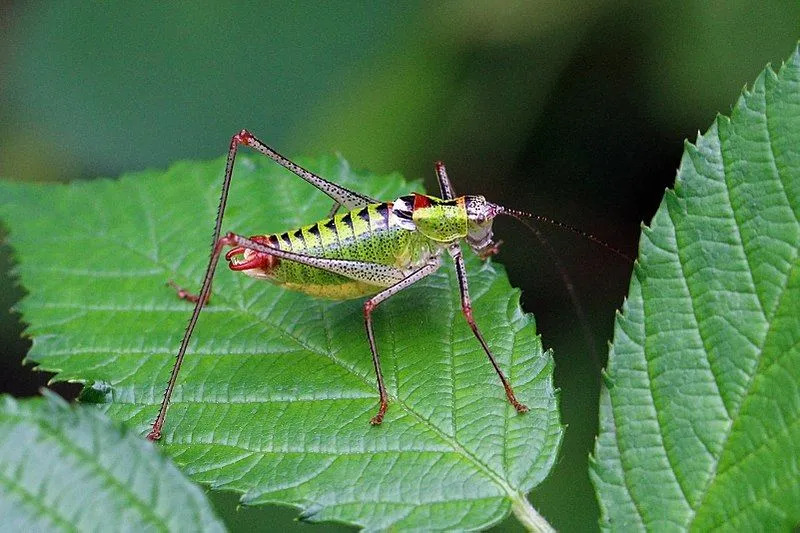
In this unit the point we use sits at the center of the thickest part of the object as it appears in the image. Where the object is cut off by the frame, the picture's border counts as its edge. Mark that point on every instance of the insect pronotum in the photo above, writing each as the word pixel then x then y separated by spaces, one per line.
pixel 373 249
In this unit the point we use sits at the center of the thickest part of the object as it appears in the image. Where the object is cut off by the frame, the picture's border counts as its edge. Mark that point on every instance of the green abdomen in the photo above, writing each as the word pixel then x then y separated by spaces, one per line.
pixel 362 234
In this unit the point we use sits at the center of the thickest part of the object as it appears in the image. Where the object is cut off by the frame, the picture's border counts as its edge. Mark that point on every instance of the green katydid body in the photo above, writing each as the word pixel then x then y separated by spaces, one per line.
pixel 404 234
pixel 375 248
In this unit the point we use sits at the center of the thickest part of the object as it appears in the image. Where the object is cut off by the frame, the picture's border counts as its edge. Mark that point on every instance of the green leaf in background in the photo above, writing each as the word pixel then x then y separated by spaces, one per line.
pixel 699 429
pixel 69 469
pixel 277 390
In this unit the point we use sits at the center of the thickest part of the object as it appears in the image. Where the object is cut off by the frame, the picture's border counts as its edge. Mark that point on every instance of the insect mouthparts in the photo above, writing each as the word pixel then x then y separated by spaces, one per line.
pixel 242 258
pixel 232 254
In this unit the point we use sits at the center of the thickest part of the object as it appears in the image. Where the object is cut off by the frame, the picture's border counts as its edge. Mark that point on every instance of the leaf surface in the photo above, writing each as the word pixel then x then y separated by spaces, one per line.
pixel 277 389
pixel 699 429
pixel 68 469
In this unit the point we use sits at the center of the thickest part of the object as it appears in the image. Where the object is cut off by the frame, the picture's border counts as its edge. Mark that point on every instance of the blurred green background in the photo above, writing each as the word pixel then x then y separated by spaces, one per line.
pixel 576 110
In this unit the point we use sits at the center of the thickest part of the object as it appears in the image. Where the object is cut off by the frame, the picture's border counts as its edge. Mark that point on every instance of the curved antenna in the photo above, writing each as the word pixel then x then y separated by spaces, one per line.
pixel 573 296
pixel 521 215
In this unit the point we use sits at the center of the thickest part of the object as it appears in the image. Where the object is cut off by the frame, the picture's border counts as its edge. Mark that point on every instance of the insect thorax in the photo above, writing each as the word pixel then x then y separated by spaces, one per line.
pixel 440 220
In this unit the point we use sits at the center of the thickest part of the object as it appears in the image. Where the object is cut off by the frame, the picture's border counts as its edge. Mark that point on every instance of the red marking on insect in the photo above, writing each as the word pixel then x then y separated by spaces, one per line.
pixel 420 201
pixel 261 260
pixel 243 137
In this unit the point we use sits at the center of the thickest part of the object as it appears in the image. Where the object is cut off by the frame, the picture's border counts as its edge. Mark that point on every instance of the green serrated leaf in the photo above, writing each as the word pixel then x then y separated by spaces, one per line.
pixel 700 430
pixel 277 390
pixel 68 469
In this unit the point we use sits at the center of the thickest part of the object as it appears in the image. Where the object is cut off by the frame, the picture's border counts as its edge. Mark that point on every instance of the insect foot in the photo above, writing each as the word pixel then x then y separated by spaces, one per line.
pixel 377 419
pixel 520 407
pixel 183 294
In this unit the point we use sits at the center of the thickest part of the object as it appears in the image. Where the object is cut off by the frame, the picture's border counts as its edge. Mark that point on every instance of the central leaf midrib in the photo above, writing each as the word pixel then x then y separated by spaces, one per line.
pixel 760 349
pixel 457 447
pixel 460 450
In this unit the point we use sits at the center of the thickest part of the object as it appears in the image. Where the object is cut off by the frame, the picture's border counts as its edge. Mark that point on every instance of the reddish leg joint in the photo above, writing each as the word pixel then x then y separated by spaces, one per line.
pixel 376 420
pixel 368 307
pixel 243 137
pixel 183 294
pixel 512 399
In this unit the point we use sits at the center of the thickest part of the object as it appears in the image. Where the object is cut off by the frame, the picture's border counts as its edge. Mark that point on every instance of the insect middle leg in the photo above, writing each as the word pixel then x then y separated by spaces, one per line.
pixel 369 306
pixel 466 308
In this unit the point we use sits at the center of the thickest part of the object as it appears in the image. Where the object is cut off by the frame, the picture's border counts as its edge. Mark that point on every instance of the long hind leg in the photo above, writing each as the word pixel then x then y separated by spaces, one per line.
pixel 377 274
pixel 369 306
pixel 341 196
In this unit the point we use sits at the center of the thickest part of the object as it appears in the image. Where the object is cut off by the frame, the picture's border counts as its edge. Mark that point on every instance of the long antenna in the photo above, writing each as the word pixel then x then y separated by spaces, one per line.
pixel 522 216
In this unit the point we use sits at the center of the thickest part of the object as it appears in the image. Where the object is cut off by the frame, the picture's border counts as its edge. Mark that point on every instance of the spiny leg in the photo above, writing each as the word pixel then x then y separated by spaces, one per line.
pixel 466 308
pixel 340 195
pixel 357 270
pixel 200 300
pixel 369 306
pixel 205 291
pixel 445 187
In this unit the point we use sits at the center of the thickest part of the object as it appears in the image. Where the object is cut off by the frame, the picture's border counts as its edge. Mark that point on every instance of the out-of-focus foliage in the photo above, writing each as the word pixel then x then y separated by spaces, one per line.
pixel 68 469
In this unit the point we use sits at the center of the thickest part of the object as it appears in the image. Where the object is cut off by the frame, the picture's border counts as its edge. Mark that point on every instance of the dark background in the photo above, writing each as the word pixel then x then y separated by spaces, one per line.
pixel 576 110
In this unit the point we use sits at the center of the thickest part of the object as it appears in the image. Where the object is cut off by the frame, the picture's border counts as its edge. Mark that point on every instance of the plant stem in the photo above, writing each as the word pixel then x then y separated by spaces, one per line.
pixel 528 516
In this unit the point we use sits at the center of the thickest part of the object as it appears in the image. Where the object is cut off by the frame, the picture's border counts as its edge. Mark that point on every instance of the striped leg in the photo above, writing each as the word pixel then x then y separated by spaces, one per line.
pixel 466 308
pixel 369 306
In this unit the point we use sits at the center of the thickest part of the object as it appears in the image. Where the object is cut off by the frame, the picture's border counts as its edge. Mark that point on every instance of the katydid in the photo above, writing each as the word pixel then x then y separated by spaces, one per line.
pixel 373 248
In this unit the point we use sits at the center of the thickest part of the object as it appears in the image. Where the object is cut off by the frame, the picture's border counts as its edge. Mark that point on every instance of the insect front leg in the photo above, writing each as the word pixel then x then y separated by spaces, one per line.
pixel 466 308
pixel 492 249
pixel 369 306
